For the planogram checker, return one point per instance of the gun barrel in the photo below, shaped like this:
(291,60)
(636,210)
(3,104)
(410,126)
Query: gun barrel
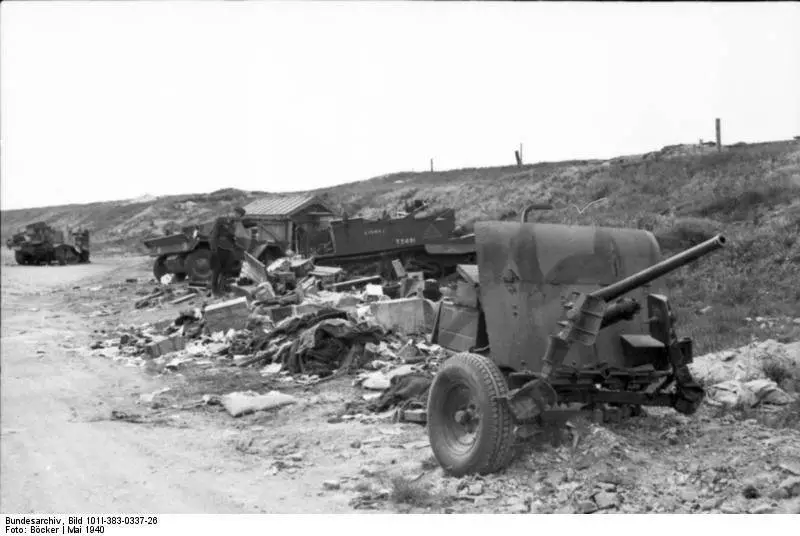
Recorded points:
(647,275)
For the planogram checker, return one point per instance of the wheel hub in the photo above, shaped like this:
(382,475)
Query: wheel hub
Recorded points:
(467,417)
(464,418)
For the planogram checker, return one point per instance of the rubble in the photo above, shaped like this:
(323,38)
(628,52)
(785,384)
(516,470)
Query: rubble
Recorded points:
(739,378)
(734,393)
(745,363)
(242,403)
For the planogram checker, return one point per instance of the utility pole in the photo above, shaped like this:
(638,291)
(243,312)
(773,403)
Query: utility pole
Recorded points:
(719,135)
(431,165)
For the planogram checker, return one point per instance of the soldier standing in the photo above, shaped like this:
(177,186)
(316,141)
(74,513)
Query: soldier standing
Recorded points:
(225,247)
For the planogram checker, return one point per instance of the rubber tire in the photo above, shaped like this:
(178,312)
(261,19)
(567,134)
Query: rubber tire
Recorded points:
(160,268)
(180,277)
(493,446)
(194,272)
(21,258)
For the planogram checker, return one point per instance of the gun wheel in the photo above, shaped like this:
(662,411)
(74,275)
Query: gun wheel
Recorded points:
(470,427)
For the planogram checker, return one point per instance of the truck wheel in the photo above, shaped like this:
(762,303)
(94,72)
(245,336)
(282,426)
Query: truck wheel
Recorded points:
(160,268)
(198,265)
(470,427)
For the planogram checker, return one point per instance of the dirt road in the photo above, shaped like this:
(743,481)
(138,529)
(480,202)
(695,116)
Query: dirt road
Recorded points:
(62,452)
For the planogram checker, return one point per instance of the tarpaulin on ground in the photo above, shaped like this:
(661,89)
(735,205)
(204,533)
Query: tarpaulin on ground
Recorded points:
(322,348)
(404,390)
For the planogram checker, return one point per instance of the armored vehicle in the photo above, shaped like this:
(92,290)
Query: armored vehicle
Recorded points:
(38,243)
(422,243)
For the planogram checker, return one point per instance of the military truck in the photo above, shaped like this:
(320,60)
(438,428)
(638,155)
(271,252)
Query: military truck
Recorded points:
(188,253)
(38,243)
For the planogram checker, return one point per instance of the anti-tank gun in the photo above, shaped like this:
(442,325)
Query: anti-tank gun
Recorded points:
(569,325)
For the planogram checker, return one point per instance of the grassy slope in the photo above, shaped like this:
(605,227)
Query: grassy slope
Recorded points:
(751,193)
(682,194)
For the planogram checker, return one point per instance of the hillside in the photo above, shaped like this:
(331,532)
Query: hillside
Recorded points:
(682,193)
(120,226)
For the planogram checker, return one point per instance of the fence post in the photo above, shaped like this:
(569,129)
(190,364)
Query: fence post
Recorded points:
(719,135)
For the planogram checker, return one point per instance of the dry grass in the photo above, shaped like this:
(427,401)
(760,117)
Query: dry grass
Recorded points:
(405,491)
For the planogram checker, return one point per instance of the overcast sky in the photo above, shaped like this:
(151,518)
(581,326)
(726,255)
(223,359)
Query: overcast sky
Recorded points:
(105,101)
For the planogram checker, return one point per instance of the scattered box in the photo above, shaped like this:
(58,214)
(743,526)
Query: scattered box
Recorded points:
(399,270)
(308,285)
(407,315)
(242,291)
(170,344)
(280,312)
(413,415)
(458,327)
(306,308)
(279,265)
(469,272)
(327,274)
(231,314)
(301,267)
(466,294)
(253,269)
(413,283)
(284,277)
(264,291)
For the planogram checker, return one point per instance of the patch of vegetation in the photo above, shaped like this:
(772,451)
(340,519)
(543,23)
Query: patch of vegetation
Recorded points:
(408,492)
(777,371)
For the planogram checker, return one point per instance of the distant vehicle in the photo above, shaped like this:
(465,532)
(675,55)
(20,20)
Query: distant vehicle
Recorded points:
(188,253)
(428,243)
(38,243)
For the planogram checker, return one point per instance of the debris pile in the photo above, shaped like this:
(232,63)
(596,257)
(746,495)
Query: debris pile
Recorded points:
(297,323)
(765,372)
